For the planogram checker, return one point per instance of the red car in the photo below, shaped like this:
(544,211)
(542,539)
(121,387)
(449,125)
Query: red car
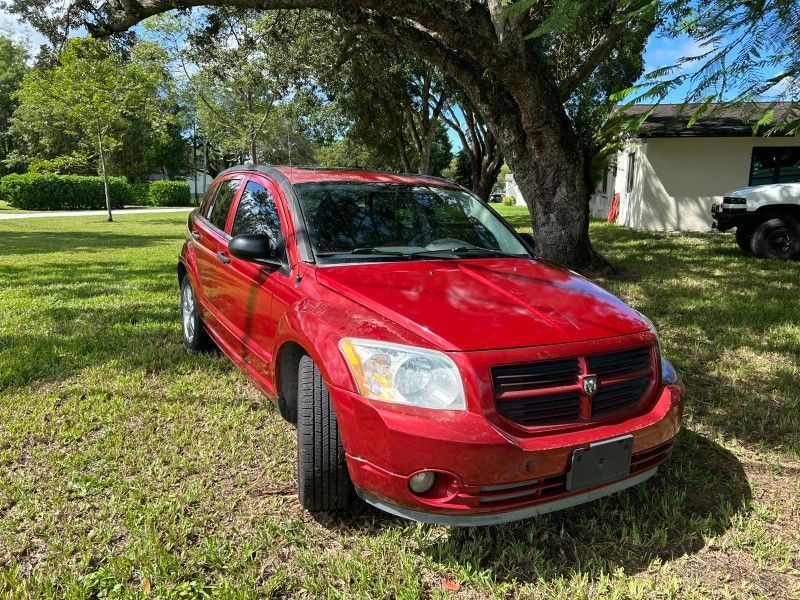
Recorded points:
(434,366)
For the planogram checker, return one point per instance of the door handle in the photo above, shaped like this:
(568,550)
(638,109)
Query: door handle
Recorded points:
(223,258)
(195,235)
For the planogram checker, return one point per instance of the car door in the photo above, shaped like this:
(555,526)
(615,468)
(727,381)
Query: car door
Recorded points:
(211,243)
(253,285)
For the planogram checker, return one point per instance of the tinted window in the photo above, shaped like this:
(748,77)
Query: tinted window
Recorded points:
(207,198)
(222,203)
(257,213)
(775,165)
(343,218)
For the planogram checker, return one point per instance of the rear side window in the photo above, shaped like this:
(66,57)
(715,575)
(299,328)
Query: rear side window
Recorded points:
(222,203)
(257,213)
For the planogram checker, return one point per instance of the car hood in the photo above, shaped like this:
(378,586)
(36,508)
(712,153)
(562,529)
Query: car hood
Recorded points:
(463,305)
(766,189)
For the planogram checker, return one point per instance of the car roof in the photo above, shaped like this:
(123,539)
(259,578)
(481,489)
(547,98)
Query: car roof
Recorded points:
(299,175)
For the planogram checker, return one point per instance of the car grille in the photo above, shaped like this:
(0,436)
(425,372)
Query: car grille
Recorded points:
(551,392)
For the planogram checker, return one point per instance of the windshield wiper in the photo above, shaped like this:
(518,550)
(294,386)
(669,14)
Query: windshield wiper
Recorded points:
(467,250)
(367,250)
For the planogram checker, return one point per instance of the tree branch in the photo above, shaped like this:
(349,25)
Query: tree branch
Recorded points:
(602,49)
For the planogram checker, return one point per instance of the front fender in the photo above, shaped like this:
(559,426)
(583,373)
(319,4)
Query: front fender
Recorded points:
(317,326)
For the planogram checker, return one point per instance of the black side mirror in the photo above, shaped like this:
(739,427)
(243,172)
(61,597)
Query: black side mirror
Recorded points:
(254,247)
(528,242)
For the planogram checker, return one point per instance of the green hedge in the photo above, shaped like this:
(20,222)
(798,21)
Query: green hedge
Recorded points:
(169,193)
(139,193)
(45,191)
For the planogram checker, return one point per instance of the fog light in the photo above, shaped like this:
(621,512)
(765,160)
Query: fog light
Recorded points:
(422,482)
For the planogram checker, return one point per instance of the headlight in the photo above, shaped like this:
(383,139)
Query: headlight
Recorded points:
(404,374)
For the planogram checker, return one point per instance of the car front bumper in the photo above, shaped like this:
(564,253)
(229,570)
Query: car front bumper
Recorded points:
(484,474)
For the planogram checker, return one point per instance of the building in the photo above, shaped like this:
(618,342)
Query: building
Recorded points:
(668,177)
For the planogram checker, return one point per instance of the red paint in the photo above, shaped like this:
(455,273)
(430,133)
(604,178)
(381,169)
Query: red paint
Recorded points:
(483,312)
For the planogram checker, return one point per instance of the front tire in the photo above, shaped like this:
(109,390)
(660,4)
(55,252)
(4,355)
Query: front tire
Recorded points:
(195,336)
(778,237)
(323,481)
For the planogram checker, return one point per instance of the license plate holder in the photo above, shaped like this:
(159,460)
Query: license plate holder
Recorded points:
(600,463)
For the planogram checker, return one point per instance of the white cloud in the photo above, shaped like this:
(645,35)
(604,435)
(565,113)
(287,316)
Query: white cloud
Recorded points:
(666,52)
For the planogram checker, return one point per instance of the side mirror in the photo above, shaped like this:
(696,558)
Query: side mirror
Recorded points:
(528,242)
(254,247)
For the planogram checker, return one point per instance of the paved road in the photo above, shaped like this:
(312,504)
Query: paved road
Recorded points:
(90,213)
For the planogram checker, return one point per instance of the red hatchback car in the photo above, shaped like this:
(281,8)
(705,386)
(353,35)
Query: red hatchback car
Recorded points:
(432,363)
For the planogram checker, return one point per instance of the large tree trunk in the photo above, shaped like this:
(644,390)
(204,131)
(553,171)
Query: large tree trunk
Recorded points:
(551,169)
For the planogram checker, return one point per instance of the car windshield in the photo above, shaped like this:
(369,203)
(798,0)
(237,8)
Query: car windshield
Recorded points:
(354,222)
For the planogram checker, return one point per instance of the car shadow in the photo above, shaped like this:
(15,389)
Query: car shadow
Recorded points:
(695,496)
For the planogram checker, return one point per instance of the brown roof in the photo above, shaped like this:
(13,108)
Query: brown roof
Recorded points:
(672,120)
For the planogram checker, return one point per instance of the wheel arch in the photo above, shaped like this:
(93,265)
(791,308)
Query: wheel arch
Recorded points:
(287,364)
(182,272)
(773,210)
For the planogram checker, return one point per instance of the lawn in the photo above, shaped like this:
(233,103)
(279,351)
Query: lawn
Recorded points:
(129,467)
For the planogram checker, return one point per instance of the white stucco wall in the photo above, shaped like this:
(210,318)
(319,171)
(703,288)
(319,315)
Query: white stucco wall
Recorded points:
(677,179)
(512,189)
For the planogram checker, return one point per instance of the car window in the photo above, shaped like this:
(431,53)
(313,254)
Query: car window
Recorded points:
(218,214)
(258,213)
(208,197)
(353,219)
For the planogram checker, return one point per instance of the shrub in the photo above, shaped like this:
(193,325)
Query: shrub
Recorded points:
(139,193)
(47,191)
(169,193)
(509,201)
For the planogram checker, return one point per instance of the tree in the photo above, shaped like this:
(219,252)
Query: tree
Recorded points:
(479,146)
(395,101)
(12,68)
(242,66)
(87,97)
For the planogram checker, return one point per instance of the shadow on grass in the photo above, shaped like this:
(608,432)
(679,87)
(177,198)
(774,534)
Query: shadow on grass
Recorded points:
(695,496)
(26,243)
(728,321)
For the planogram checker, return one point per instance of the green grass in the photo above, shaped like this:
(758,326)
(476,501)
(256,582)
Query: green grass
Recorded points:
(128,464)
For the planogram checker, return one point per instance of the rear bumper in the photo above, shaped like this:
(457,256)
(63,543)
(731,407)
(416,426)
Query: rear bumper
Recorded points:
(485,475)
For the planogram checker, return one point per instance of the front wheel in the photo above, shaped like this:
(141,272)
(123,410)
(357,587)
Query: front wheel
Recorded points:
(323,481)
(778,237)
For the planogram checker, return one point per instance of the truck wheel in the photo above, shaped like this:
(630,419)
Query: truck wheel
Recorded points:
(195,336)
(778,237)
(322,479)
(744,238)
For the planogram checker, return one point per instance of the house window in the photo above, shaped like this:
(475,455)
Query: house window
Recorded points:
(605,180)
(629,174)
(775,165)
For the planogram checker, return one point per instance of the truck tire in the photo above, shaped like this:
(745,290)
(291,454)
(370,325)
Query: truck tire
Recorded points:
(778,237)
(323,482)
(744,238)
(195,336)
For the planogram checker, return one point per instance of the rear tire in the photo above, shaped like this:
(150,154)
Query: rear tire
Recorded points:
(323,481)
(744,238)
(195,336)
(778,237)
